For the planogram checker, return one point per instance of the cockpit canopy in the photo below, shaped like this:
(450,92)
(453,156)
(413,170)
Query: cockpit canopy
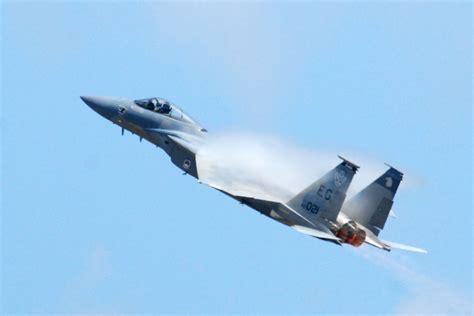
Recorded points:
(156,105)
(164,107)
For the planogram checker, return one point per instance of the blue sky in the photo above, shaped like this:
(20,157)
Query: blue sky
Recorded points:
(93,222)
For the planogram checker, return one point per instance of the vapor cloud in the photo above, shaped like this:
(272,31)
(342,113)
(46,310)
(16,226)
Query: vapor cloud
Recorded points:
(253,163)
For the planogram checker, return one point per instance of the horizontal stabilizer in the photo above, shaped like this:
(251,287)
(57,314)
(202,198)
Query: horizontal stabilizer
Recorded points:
(372,239)
(315,233)
(395,245)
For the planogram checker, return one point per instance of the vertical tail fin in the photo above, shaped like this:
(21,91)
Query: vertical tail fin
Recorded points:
(323,199)
(371,206)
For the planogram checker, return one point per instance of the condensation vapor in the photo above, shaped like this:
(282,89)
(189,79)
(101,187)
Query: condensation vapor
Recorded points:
(253,164)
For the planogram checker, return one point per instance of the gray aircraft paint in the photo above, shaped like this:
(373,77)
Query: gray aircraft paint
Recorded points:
(314,211)
(323,199)
(372,205)
(172,134)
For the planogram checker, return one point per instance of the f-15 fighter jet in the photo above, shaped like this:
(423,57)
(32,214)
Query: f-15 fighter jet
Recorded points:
(318,211)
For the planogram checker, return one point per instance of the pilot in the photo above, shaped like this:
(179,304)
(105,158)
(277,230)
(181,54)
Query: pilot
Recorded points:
(165,108)
(162,107)
(153,104)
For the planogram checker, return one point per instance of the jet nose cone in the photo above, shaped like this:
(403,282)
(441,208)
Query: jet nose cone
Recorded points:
(105,106)
(90,101)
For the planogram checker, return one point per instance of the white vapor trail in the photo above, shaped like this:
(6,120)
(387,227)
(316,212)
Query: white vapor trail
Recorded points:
(252,163)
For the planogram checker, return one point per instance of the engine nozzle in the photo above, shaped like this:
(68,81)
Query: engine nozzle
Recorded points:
(349,233)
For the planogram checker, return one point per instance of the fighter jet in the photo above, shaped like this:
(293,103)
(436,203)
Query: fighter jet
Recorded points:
(319,210)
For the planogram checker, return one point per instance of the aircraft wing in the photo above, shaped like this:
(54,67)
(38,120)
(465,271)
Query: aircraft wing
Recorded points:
(268,198)
(305,226)
(375,242)
(276,210)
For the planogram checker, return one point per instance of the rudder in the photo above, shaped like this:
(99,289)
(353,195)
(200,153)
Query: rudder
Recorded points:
(323,199)
(371,206)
